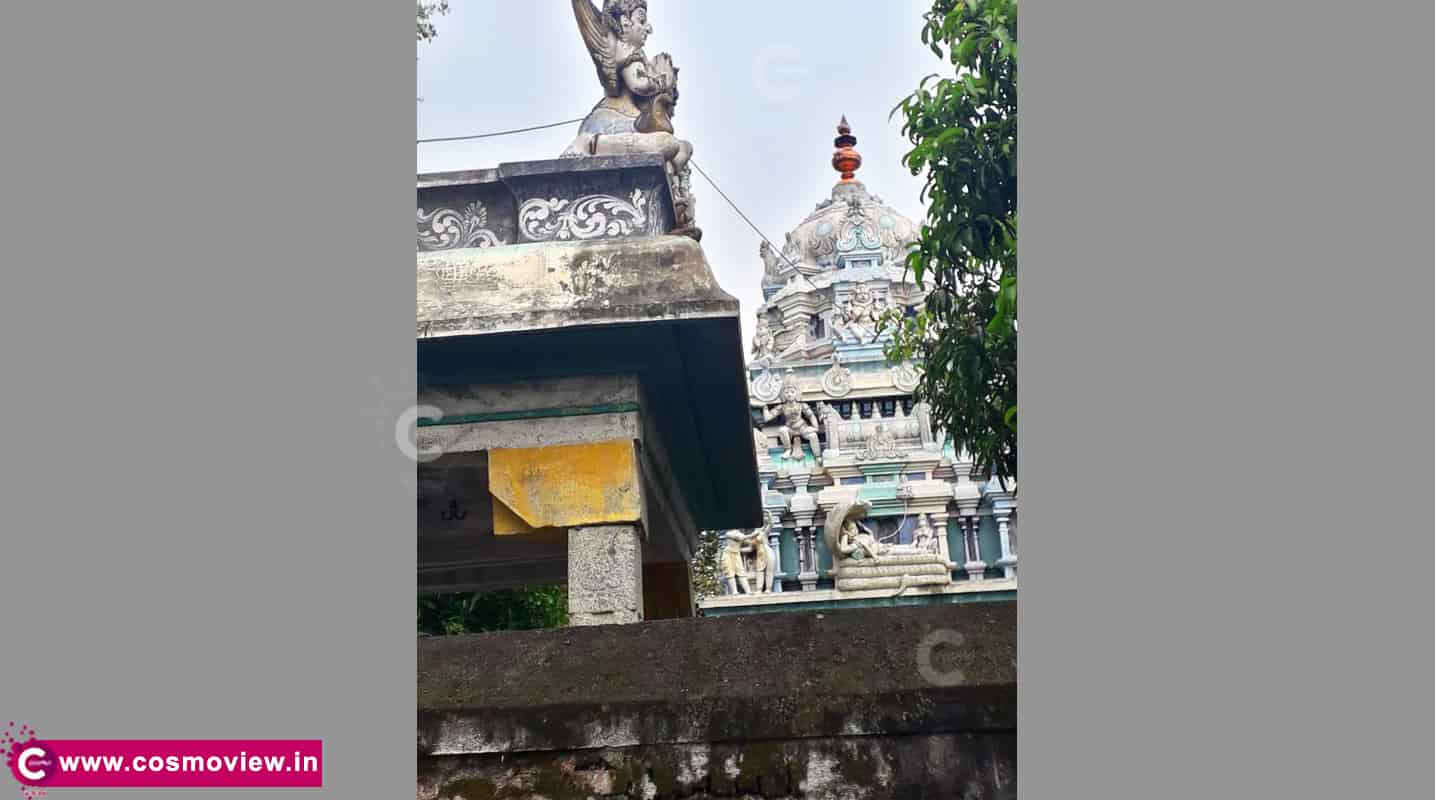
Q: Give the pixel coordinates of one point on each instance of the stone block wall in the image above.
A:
(905, 702)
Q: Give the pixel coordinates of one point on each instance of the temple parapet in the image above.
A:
(555, 200)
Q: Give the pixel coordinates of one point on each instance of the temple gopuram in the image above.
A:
(867, 503)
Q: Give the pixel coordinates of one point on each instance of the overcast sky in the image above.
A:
(762, 87)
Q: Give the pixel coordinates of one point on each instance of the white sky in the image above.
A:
(762, 86)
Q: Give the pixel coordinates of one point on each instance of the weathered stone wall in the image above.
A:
(915, 702)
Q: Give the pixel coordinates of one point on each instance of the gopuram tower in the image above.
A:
(866, 502)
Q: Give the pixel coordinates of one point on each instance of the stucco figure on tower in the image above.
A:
(761, 560)
(639, 97)
(924, 538)
(771, 261)
(764, 344)
(798, 422)
(731, 569)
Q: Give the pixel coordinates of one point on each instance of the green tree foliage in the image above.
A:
(963, 130)
(507, 610)
(426, 14)
(704, 566)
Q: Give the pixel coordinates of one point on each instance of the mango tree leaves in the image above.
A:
(962, 127)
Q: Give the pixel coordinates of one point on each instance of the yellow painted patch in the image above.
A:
(563, 486)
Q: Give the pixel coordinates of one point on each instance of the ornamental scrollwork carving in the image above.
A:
(446, 228)
(837, 380)
(858, 236)
(905, 377)
(594, 216)
(766, 387)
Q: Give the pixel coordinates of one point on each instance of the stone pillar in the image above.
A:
(605, 575)
(804, 516)
(939, 529)
(808, 576)
(975, 567)
(968, 496)
(774, 541)
(1008, 559)
(1003, 497)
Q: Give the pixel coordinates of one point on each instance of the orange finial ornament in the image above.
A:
(845, 159)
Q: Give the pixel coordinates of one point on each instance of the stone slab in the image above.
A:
(892, 671)
(526, 287)
(970, 766)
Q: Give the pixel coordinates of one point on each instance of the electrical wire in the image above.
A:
(700, 170)
(500, 133)
(749, 222)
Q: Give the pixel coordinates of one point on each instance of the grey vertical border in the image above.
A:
(1225, 403)
(206, 310)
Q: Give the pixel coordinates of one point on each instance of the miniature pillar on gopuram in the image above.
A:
(581, 380)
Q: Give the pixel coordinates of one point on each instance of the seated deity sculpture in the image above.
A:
(799, 424)
(639, 95)
(855, 317)
(924, 538)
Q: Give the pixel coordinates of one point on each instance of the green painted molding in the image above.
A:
(879, 493)
(534, 413)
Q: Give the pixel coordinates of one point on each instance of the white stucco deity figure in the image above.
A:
(922, 412)
(881, 444)
(855, 540)
(639, 94)
(731, 568)
(798, 422)
(763, 342)
(791, 248)
(862, 296)
(760, 561)
(861, 560)
(854, 317)
(924, 538)
(876, 313)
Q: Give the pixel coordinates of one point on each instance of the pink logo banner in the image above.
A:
(167, 763)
